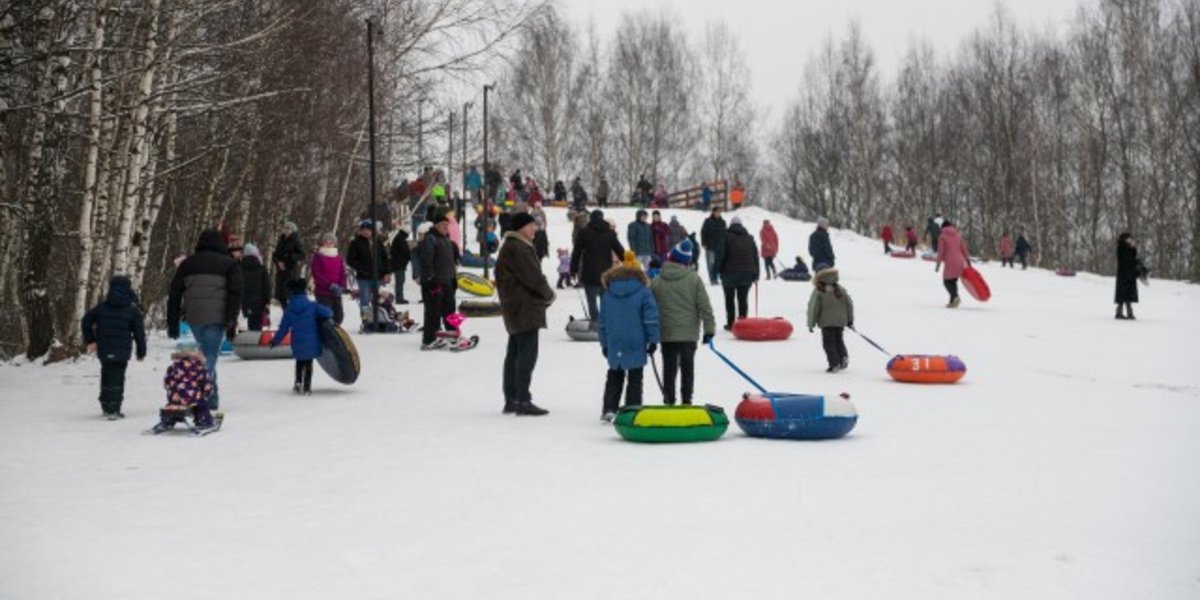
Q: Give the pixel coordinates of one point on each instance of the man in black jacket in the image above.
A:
(739, 271)
(256, 287)
(368, 269)
(438, 281)
(110, 330)
(819, 246)
(401, 256)
(592, 255)
(524, 297)
(712, 239)
(288, 257)
(206, 292)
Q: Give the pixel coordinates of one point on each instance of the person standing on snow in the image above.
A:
(831, 309)
(739, 271)
(329, 276)
(401, 255)
(367, 258)
(629, 333)
(578, 195)
(910, 237)
(207, 293)
(683, 312)
(288, 256)
(933, 229)
(770, 246)
(1023, 250)
(524, 297)
(712, 239)
(1007, 250)
(640, 236)
(886, 233)
(300, 319)
(438, 282)
(952, 250)
(661, 235)
(256, 292)
(473, 183)
(592, 256)
(602, 192)
(819, 246)
(1129, 268)
(111, 330)
(678, 231)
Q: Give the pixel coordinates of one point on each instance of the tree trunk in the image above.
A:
(140, 153)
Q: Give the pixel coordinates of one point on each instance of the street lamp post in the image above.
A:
(371, 126)
(487, 205)
(463, 189)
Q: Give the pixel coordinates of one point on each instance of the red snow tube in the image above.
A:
(753, 329)
(923, 368)
(903, 254)
(1064, 272)
(976, 286)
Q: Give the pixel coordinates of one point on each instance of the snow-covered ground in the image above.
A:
(1062, 466)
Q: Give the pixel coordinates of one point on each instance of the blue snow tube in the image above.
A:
(795, 416)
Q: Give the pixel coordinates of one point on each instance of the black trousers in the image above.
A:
(770, 266)
(678, 357)
(334, 304)
(1022, 258)
(281, 293)
(742, 292)
(593, 293)
(437, 307)
(834, 344)
(911, 247)
(612, 389)
(519, 361)
(951, 286)
(112, 385)
(1006, 262)
(254, 318)
(304, 373)
(887, 247)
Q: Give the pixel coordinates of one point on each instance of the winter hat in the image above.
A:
(597, 215)
(640, 213)
(366, 224)
(735, 221)
(822, 222)
(424, 228)
(682, 252)
(297, 286)
(630, 260)
(328, 238)
(252, 250)
(290, 227)
(440, 218)
(521, 219)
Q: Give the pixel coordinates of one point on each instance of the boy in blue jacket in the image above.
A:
(300, 318)
(110, 330)
(629, 332)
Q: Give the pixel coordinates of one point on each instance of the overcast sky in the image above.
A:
(779, 36)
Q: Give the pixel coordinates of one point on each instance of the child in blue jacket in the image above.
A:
(629, 332)
(111, 330)
(300, 318)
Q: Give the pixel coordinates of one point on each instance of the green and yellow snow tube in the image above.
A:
(671, 424)
(475, 285)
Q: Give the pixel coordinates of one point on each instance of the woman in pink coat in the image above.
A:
(769, 246)
(952, 250)
(329, 276)
(1007, 250)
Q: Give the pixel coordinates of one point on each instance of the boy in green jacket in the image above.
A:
(683, 307)
(831, 309)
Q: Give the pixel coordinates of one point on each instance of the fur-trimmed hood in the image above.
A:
(623, 280)
(827, 275)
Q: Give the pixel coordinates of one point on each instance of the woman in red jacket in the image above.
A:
(770, 246)
(886, 234)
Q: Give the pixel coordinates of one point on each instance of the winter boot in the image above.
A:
(530, 409)
(955, 302)
(1129, 311)
(1121, 312)
(608, 417)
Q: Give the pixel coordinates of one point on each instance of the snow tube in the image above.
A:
(256, 345)
(339, 357)
(753, 329)
(475, 285)
(479, 308)
(903, 254)
(470, 259)
(924, 368)
(581, 330)
(794, 275)
(671, 424)
(929, 256)
(795, 416)
(1064, 272)
(976, 286)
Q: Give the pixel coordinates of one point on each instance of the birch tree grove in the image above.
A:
(127, 126)
(1068, 139)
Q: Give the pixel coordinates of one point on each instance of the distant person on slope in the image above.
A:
(1024, 249)
(1007, 250)
(640, 236)
(739, 271)
(592, 256)
(770, 246)
(288, 256)
(933, 229)
(910, 237)
(524, 297)
(661, 234)
(886, 234)
(819, 246)
(1128, 270)
(952, 250)
(712, 239)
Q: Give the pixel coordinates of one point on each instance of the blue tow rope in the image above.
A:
(712, 346)
(871, 342)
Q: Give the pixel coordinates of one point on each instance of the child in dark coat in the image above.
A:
(629, 333)
(300, 319)
(110, 330)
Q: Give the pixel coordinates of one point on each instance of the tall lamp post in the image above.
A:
(487, 205)
(371, 25)
(463, 188)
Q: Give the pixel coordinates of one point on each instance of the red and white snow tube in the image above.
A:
(754, 329)
(976, 286)
(903, 254)
(256, 345)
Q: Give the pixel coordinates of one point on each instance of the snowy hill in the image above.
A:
(1060, 467)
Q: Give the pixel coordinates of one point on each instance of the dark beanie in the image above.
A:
(297, 286)
(521, 219)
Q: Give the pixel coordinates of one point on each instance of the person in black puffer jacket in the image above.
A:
(256, 292)
(288, 257)
(439, 277)
(368, 270)
(401, 256)
(739, 270)
(592, 255)
(207, 293)
(111, 329)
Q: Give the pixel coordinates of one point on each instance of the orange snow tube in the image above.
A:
(925, 368)
(754, 329)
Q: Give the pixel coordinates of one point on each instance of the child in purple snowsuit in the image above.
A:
(189, 384)
(564, 268)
